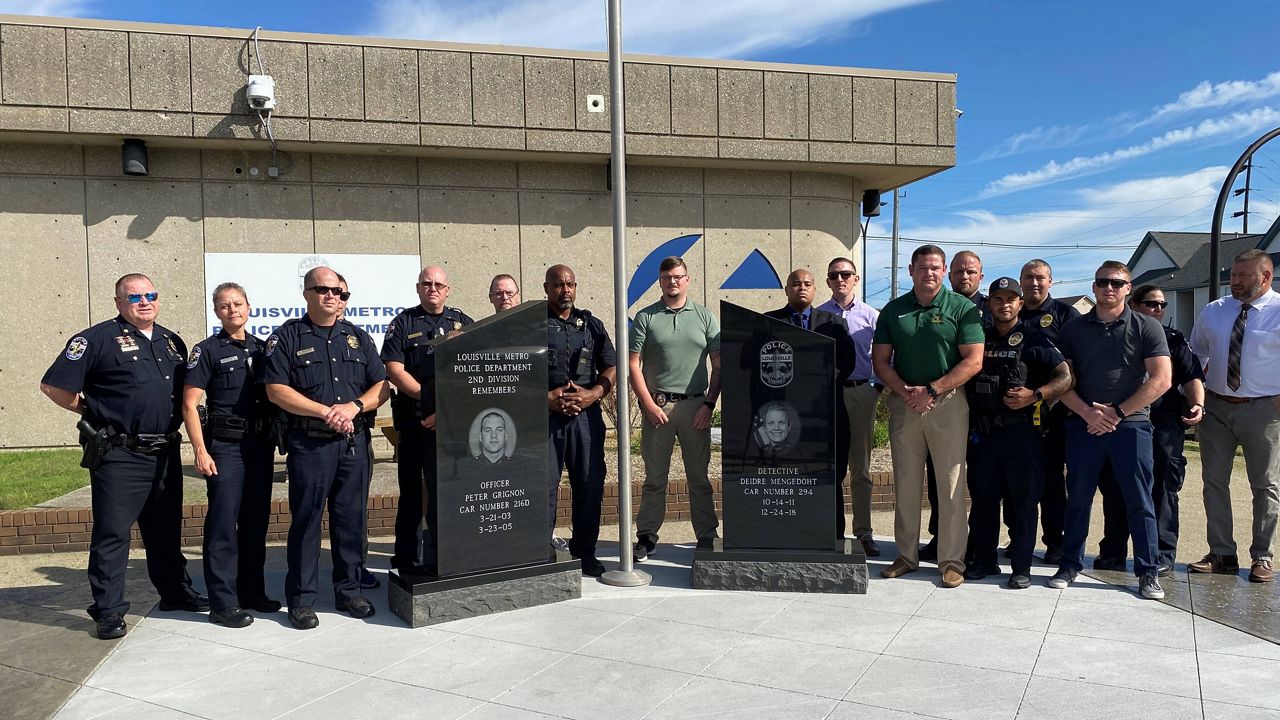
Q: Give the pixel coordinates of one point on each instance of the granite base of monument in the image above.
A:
(811, 571)
(422, 599)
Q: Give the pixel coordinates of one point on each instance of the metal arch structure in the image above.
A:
(1215, 230)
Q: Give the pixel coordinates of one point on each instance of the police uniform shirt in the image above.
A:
(1186, 367)
(1032, 349)
(567, 338)
(129, 382)
(407, 337)
(329, 365)
(1049, 318)
(980, 300)
(227, 370)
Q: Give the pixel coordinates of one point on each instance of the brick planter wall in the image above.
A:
(68, 529)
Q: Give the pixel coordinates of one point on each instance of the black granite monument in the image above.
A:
(493, 549)
(778, 454)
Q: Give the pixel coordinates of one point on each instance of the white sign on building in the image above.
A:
(381, 287)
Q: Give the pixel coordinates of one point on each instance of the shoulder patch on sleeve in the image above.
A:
(76, 348)
(195, 357)
(271, 343)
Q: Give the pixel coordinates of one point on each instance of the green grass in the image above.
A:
(32, 477)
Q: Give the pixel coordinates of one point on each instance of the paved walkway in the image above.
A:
(908, 648)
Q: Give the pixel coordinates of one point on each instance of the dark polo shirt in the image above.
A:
(1109, 359)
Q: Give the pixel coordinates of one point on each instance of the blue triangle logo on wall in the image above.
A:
(755, 273)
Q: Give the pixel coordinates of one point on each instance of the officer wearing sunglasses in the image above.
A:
(1182, 406)
(325, 373)
(124, 377)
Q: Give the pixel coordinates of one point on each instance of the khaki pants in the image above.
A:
(860, 402)
(656, 446)
(1255, 425)
(943, 434)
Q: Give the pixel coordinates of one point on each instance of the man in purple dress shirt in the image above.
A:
(861, 391)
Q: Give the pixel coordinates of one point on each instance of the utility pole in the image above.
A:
(893, 278)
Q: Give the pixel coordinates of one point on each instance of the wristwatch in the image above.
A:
(929, 389)
(1039, 395)
(710, 405)
(1120, 413)
(359, 405)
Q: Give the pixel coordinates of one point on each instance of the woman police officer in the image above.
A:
(235, 454)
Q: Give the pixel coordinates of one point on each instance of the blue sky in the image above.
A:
(1086, 123)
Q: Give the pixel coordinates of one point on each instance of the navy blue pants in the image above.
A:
(131, 487)
(1169, 471)
(1005, 464)
(1128, 449)
(416, 475)
(320, 470)
(577, 443)
(1053, 498)
(235, 528)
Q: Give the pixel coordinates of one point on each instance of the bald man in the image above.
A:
(412, 370)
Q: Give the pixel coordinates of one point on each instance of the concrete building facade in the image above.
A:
(481, 159)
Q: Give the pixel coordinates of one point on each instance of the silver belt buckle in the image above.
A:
(660, 399)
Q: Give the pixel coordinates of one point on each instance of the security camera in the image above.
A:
(261, 92)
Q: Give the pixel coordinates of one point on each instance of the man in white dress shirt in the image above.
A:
(1238, 338)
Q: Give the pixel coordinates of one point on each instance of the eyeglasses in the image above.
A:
(504, 293)
(323, 290)
(840, 274)
(1113, 283)
(135, 298)
(673, 278)
(433, 285)
(1153, 304)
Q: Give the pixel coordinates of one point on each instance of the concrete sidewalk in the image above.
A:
(907, 648)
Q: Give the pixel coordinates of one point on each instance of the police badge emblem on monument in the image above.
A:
(776, 367)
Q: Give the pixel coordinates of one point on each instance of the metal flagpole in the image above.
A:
(626, 575)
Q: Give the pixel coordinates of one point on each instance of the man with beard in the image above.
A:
(1238, 338)
(581, 369)
(504, 294)
(671, 342)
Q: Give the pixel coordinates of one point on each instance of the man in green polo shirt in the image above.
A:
(671, 341)
(927, 345)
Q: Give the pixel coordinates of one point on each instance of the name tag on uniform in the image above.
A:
(127, 344)
(229, 358)
(305, 351)
(414, 335)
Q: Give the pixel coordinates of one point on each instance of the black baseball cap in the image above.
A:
(1006, 284)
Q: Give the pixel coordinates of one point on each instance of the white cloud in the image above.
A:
(1064, 236)
(1234, 125)
(1215, 95)
(708, 28)
(1038, 138)
(46, 8)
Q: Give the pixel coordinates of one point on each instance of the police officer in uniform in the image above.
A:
(411, 368)
(325, 373)
(581, 370)
(124, 376)
(236, 455)
(1045, 315)
(1019, 369)
(1182, 406)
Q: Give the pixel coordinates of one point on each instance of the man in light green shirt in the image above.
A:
(671, 341)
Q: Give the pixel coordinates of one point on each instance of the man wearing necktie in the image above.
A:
(801, 313)
(1238, 337)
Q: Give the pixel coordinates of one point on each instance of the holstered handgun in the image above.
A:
(95, 443)
(280, 432)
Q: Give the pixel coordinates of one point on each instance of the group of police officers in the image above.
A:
(313, 388)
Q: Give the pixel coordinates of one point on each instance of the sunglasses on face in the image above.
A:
(135, 298)
(323, 290)
(1153, 304)
(840, 274)
(1113, 283)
